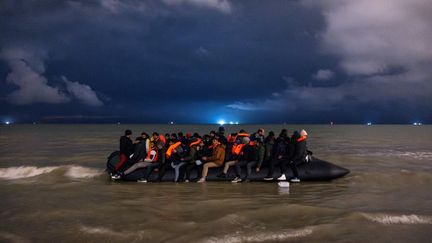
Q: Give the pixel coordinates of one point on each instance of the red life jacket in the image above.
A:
(301, 138)
(171, 149)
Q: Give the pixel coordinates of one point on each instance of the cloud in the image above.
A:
(27, 73)
(323, 74)
(201, 51)
(220, 5)
(84, 93)
(375, 37)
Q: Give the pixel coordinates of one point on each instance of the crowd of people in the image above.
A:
(184, 153)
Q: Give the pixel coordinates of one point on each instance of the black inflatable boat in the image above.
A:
(314, 170)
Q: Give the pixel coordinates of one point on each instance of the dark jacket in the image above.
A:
(247, 153)
(300, 152)
(140, 151)
(126, 146)
(280, 147)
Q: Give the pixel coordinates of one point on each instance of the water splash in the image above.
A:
(398, 219)
(12, 173)
(261, 237)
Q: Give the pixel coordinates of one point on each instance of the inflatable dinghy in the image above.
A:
(313, 170)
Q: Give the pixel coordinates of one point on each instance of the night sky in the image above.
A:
(200, 61)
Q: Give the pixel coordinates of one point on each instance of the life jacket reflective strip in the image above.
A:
(301, 138)
(155, 158)
(195, 143)
(171, 149)
(237, 148)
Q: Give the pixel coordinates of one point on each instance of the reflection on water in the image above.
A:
(54, 189)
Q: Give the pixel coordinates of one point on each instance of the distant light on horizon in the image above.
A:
(7, 122)
(369, 123)
(221, 122)
(231, 122)
(236, 122)
(417, 123)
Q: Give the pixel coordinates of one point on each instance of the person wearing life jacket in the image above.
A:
(216, 160)
(156, 157)
(238, 153)
(126, 150)
(247, 155)
(144, 162)
(299, 154)
(170, 156)
(279, 153)
(193, 159)
(256, 160)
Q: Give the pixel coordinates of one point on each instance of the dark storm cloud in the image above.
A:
(203, 60)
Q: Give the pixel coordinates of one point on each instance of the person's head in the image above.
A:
(173, 136)
(215, 141)
(155, 136)
(295, 135)
(139, 139)
(180, 135)
(283, 133)
(212, 133)
(221, 130)
(242, 131)
(271, 134)
(188, 135)
(196, 135)
(128, 133)
(260, 132)
(144, 135)
(167, 136)
(303, 133)
(245, 140)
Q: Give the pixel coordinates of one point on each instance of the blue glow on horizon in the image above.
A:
(221, 122)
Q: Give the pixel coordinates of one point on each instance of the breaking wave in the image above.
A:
(398, 219)
(71, 171)
(261, 237)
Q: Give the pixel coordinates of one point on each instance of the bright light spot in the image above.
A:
(172, 123)
(221, 122)
(7, 122)
(369, 123)
(415, 123)
(231, 122)
(236, 122)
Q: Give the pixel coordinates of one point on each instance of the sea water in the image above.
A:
(54, 189)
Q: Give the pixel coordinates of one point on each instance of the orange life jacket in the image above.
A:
(155, 158)
(237, 148)
(195, 143)
(171, 149)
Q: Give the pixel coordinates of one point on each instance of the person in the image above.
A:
(142, 160)
(246, 156)
(280, 150)
(146, 139)
(269, 142)
(289, 153)
(216, 160)
(299, 154)
(221, 135)
(193, 159)
(158, 160)
(126, 150)
(170, 156)
(238, 153)
(257, 161)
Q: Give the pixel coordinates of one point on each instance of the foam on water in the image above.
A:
(20, 172)
(71, 171)
(398, 219)
(82, 172)
(138, 235)
(262, 237)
